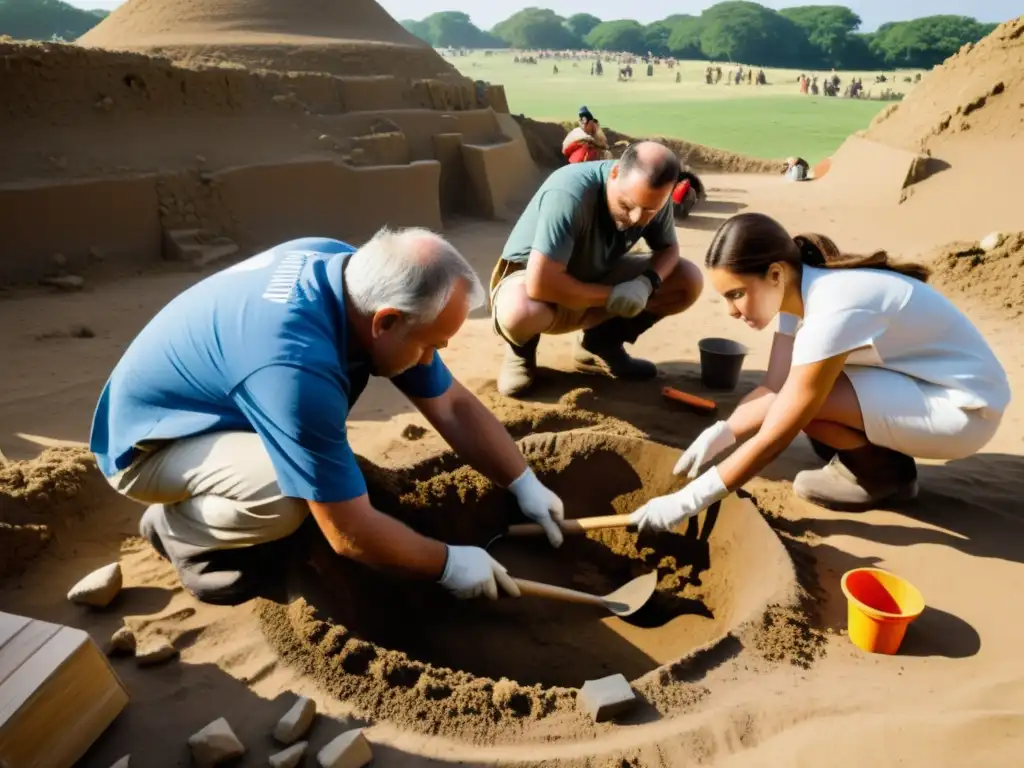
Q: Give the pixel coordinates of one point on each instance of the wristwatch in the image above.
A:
(654, 278)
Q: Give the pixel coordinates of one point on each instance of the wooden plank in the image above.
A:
(20, 648)
(58, 703)
(10, 625)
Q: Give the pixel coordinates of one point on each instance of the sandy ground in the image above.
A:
(950, 698)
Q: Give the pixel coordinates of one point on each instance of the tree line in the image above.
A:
(804, 37)
(42, 19)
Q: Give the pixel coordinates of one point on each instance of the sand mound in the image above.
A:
(478, 670)
(978, 91)
(350, 37)
(35, 496)
(545, 140)
(996, 277)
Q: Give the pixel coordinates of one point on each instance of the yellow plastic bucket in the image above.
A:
(881, 606)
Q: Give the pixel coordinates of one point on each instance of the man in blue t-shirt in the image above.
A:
(227, 412)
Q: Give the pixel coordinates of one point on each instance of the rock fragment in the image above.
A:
(99, 588)
(121, 643)
(296, 721)
(65, 282)
(291, 757)
(122, 763)
(155, 654)
(349, 750)
(214, 744)
(607, 698)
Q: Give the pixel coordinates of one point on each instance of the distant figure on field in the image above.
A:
(875, 366)
(226, 415)
(567, 266)
(796, 169)
(585, 142)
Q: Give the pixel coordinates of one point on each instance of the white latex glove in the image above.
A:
(666, 512)
(471, 572)
(628, 299)
(787, 324)
(709, 443)
(539, 504)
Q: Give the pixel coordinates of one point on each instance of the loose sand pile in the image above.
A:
(978, 92)
(354, 37)
(995, 277)
(35, 498)
(545, 140)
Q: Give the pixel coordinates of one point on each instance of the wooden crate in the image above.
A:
(57, 693)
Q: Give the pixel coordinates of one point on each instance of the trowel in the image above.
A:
(626, 600)
(579, 525)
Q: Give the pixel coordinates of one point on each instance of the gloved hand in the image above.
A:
(539, 504)
(628, 299)
(666, 512)
(470, 572)
(709, 443)
(787, 324)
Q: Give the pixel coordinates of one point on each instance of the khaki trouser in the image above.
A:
(567, 320)
(213, 492)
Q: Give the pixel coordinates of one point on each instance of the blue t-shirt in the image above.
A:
(261, 346)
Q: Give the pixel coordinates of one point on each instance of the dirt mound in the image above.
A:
(978, 92)
(35, 497)
(996, 277)
(545, 141)
(481, 671)
(355, 37)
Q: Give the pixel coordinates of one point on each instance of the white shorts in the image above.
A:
(917, 418)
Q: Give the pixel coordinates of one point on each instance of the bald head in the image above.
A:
(657, 163)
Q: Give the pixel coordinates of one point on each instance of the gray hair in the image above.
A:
(412, 270)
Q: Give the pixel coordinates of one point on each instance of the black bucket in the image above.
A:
(721, 361)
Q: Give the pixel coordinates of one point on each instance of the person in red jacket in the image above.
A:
(586, 142)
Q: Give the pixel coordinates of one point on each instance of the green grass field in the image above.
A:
(764, 121)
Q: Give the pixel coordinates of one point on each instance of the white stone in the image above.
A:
(991, 241)
(122, 643)
(214, 744)
(350, 750)
(122, 763)
(65, 282)
(291, 757)
(155, 654)
(99, 588)
(296, 721)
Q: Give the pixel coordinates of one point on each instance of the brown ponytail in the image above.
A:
(749, 243)
(820, 251)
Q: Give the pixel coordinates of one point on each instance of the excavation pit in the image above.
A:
(409, 650)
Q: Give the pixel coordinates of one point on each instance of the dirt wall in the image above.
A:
(273, 203)
(59, 81)
(69, 225)
(502, 178)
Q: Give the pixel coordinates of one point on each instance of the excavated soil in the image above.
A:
(36, 496)
(474, 669)
(995, 277)
(976, 93)
(356, 37)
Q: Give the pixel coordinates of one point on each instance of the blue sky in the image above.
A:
(873, 12)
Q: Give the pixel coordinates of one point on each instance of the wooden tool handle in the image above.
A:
(572, 526)
(687, 399)
(550, 591)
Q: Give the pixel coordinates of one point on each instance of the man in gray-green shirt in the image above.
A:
(567, 265)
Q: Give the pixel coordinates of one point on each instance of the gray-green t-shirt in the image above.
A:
(568, 221)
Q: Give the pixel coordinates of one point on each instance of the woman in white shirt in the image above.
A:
(873, 364)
